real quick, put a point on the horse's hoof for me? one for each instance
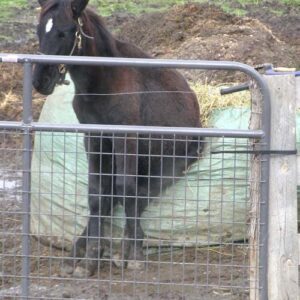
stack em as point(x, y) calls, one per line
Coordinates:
point(135, 265)
point(66, 270)
point(81, 272)
point(118, 261)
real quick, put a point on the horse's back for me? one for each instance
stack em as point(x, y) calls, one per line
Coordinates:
point(166, 98)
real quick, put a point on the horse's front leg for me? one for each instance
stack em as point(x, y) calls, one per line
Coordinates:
point(127, 191)
point(86, 246)
point(89, 247)
point(100, 202)
point(99, 208)
point(76, 253)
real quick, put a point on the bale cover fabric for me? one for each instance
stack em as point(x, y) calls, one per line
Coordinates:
point(208, 206)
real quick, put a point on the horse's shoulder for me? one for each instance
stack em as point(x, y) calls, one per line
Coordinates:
point(127, 49)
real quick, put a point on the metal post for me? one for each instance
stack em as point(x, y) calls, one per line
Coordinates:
point(264, 204)
point(27, 119)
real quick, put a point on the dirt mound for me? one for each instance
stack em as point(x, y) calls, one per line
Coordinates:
point(192, 31)
point(206, 32)
point(282, 19)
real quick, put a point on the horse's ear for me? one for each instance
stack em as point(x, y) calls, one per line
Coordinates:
point(42, 2)
point(78, 6)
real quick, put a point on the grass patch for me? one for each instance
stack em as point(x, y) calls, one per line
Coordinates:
point(258, 2)
point(226, 7)
point(291, 2)
point(236, 7)
point(7, 8)
point(107, 7)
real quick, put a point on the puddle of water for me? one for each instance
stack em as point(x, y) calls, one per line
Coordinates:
point(10, 181)
point(7, 184)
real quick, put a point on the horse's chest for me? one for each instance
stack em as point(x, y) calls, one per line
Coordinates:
point(89, 113)
point(105, 111)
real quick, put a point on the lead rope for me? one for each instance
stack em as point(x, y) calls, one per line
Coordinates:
point(77, 43)
point(62, 67)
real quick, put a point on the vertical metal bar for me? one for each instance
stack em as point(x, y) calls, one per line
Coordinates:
point(27, 119)
point(264, 206)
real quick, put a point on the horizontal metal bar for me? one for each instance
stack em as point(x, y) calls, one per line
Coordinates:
point(85, 128)
point(209, 132)
point(235, 89)
point(267, 152)
point(129, 62)
point(148, 62)
point(11, 125)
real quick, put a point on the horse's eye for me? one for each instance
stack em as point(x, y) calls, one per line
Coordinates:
point(38, 28)
point(61, 35)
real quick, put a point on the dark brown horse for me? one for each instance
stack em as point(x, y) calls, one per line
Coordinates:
point(129, 169)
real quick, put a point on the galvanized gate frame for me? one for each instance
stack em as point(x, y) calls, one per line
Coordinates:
point(27, 126)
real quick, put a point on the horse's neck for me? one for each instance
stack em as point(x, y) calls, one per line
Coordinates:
point(90, 78)
point(102, 43)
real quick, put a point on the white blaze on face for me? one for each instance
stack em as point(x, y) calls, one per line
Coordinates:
point(49, 25)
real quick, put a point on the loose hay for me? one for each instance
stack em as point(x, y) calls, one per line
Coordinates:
point(11, 84)
point(209, 98)
point(10, 107)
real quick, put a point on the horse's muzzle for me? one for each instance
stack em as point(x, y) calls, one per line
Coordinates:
point(45, 77)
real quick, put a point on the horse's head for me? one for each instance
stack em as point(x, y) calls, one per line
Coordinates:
point(58, 34)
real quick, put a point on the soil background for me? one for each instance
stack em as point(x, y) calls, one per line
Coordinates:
point(191, 31)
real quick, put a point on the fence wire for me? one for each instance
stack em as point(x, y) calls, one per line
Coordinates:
point(194, 228)
point(195, 240)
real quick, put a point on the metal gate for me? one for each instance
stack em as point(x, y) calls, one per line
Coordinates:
point(218, 268)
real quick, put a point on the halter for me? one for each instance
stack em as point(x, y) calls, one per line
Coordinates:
point(62, 69)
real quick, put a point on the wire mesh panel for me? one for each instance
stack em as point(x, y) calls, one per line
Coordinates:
point(129, 211)
point(10, 212)
point(192, 207)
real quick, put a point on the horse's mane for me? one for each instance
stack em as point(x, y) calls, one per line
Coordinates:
point(103, 41)
point(50, 4)
point(106, 44)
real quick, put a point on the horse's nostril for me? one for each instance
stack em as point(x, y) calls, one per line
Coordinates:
point(35, 83)
point(42, 85)
point(46, 81)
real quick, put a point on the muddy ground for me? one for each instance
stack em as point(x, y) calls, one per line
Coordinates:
point(210, 273)
point(189, 31)
point(186, 273)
